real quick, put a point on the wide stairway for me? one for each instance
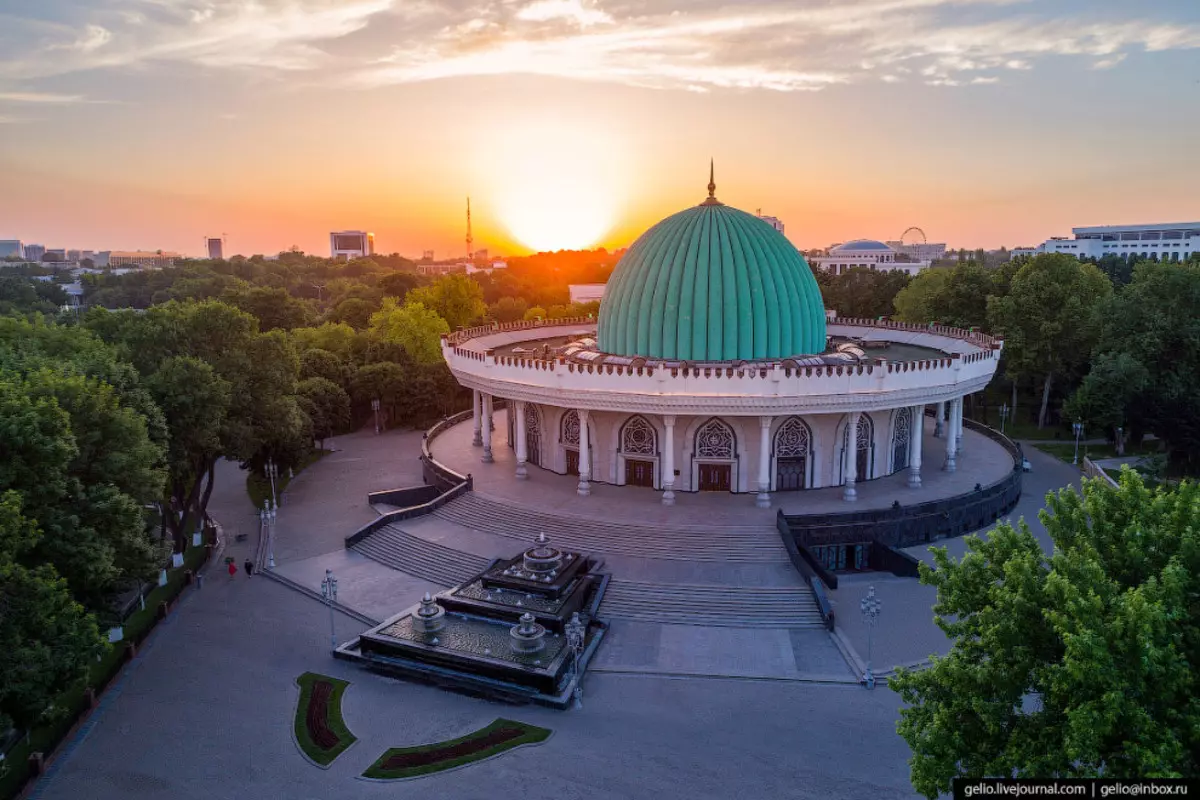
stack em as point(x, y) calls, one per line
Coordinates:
point(721, 606)
point(423, 559)
point(728, 543)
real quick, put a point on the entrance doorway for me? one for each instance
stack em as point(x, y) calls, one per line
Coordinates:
point(572, 462)
point(791, 473)
point(639, 473)
point(716, 477)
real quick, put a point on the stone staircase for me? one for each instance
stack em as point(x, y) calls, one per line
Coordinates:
point(423, 559)
point(720, 606)
point(728, 543)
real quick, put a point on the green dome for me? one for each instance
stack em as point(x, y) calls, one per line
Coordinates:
point(712, 284)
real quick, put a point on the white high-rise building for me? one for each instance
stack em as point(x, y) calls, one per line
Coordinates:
point(11, 247)
point(351, 244)
point(1168, 241)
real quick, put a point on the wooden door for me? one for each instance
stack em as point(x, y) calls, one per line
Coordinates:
point(572, 462)
point(790, 473)
point(716, 477)
point(639, 473)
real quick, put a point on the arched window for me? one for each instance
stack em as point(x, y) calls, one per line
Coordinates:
point(638, 437)
point(866, 447)
point(570, 429)
point(793, 443)
point(714, 440)
point(533, 434)
point(901, 438)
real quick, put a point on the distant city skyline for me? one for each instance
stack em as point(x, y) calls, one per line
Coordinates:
point(576, 123)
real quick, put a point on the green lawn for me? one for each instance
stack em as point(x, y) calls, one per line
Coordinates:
point(322, 755)
point(258, 486)
point(73, 700)
point(412, 762)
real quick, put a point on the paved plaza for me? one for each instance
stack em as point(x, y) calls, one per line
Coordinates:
point(670, 710)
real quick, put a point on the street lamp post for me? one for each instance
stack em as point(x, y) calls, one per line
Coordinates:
point(271, 514)
point(576, 631)
point(272, 472)
point(329, 592)
point(1078, 428)
point(1120, 441)
point(375, 408)
point(871, 607)
point(1003, 415)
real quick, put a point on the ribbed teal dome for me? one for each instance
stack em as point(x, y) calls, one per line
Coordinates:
point(712, 284)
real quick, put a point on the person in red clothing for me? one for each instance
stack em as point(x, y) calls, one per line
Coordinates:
point(232, 569)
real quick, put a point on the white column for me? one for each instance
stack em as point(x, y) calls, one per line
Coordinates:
point(518, 407)
point(850, 494)
point(958, 431)
point(914, 447)
point(486, 429)
point(477, 440)
point(951, 441)
point(585, 455)
point(668, 462)
point(939, 414)
point(764, 463)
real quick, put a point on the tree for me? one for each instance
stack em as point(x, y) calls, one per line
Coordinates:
point(317, 363)
point(508, 309)
point(47, 640)
point(1050, 319)
point(84, 467)
point(384, 381)
point(921, 301)
point(864, 292)
point(273, 308)
point(412, 326)
point(261, 418)
point(537, 312)
point(354, 311)
point(455, 298)
point(1078, 664)
point(1106, 397)
point(335, 337)
point(1154, 322)
point(327, 406)
point(399, 284)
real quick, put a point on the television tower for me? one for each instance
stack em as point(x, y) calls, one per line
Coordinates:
point(470, 241)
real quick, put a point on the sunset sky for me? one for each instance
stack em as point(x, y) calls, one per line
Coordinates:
point(150, 123)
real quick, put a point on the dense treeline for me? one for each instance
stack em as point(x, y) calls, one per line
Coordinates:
point(1113, 344)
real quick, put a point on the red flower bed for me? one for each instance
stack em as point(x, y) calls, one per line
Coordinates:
point(449, 752)
point(317, 716)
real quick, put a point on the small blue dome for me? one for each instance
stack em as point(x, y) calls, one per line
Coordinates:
point(861, 244)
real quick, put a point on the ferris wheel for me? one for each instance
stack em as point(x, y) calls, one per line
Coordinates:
point(911, 235)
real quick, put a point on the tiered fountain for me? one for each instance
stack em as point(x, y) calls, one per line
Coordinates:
point(501, 634)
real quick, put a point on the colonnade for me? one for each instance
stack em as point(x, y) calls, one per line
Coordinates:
point(948, 424)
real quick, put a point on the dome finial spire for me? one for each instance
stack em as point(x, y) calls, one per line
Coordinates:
point(712, 187)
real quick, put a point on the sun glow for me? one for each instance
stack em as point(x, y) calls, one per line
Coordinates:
point(560, 188)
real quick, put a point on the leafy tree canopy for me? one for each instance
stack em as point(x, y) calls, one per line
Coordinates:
point(412, 326)
point(456, 298)
point(1076, 664)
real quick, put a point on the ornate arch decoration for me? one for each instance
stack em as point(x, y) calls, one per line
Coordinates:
point(638, 437)
point(715, 439)
point(569, 429)
point(901, 436)
point(793, 439)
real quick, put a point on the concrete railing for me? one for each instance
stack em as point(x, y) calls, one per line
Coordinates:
point(1094, 470)
point(906, 526)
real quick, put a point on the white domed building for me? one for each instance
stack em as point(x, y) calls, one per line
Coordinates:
point(713, 368)
point(867, 254)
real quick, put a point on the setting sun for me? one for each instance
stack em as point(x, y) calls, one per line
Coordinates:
point(560, 187)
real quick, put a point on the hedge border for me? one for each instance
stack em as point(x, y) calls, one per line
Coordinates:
point(308, 748)
point(533, 735)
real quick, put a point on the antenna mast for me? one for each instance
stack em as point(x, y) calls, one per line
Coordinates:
point(470, 241)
